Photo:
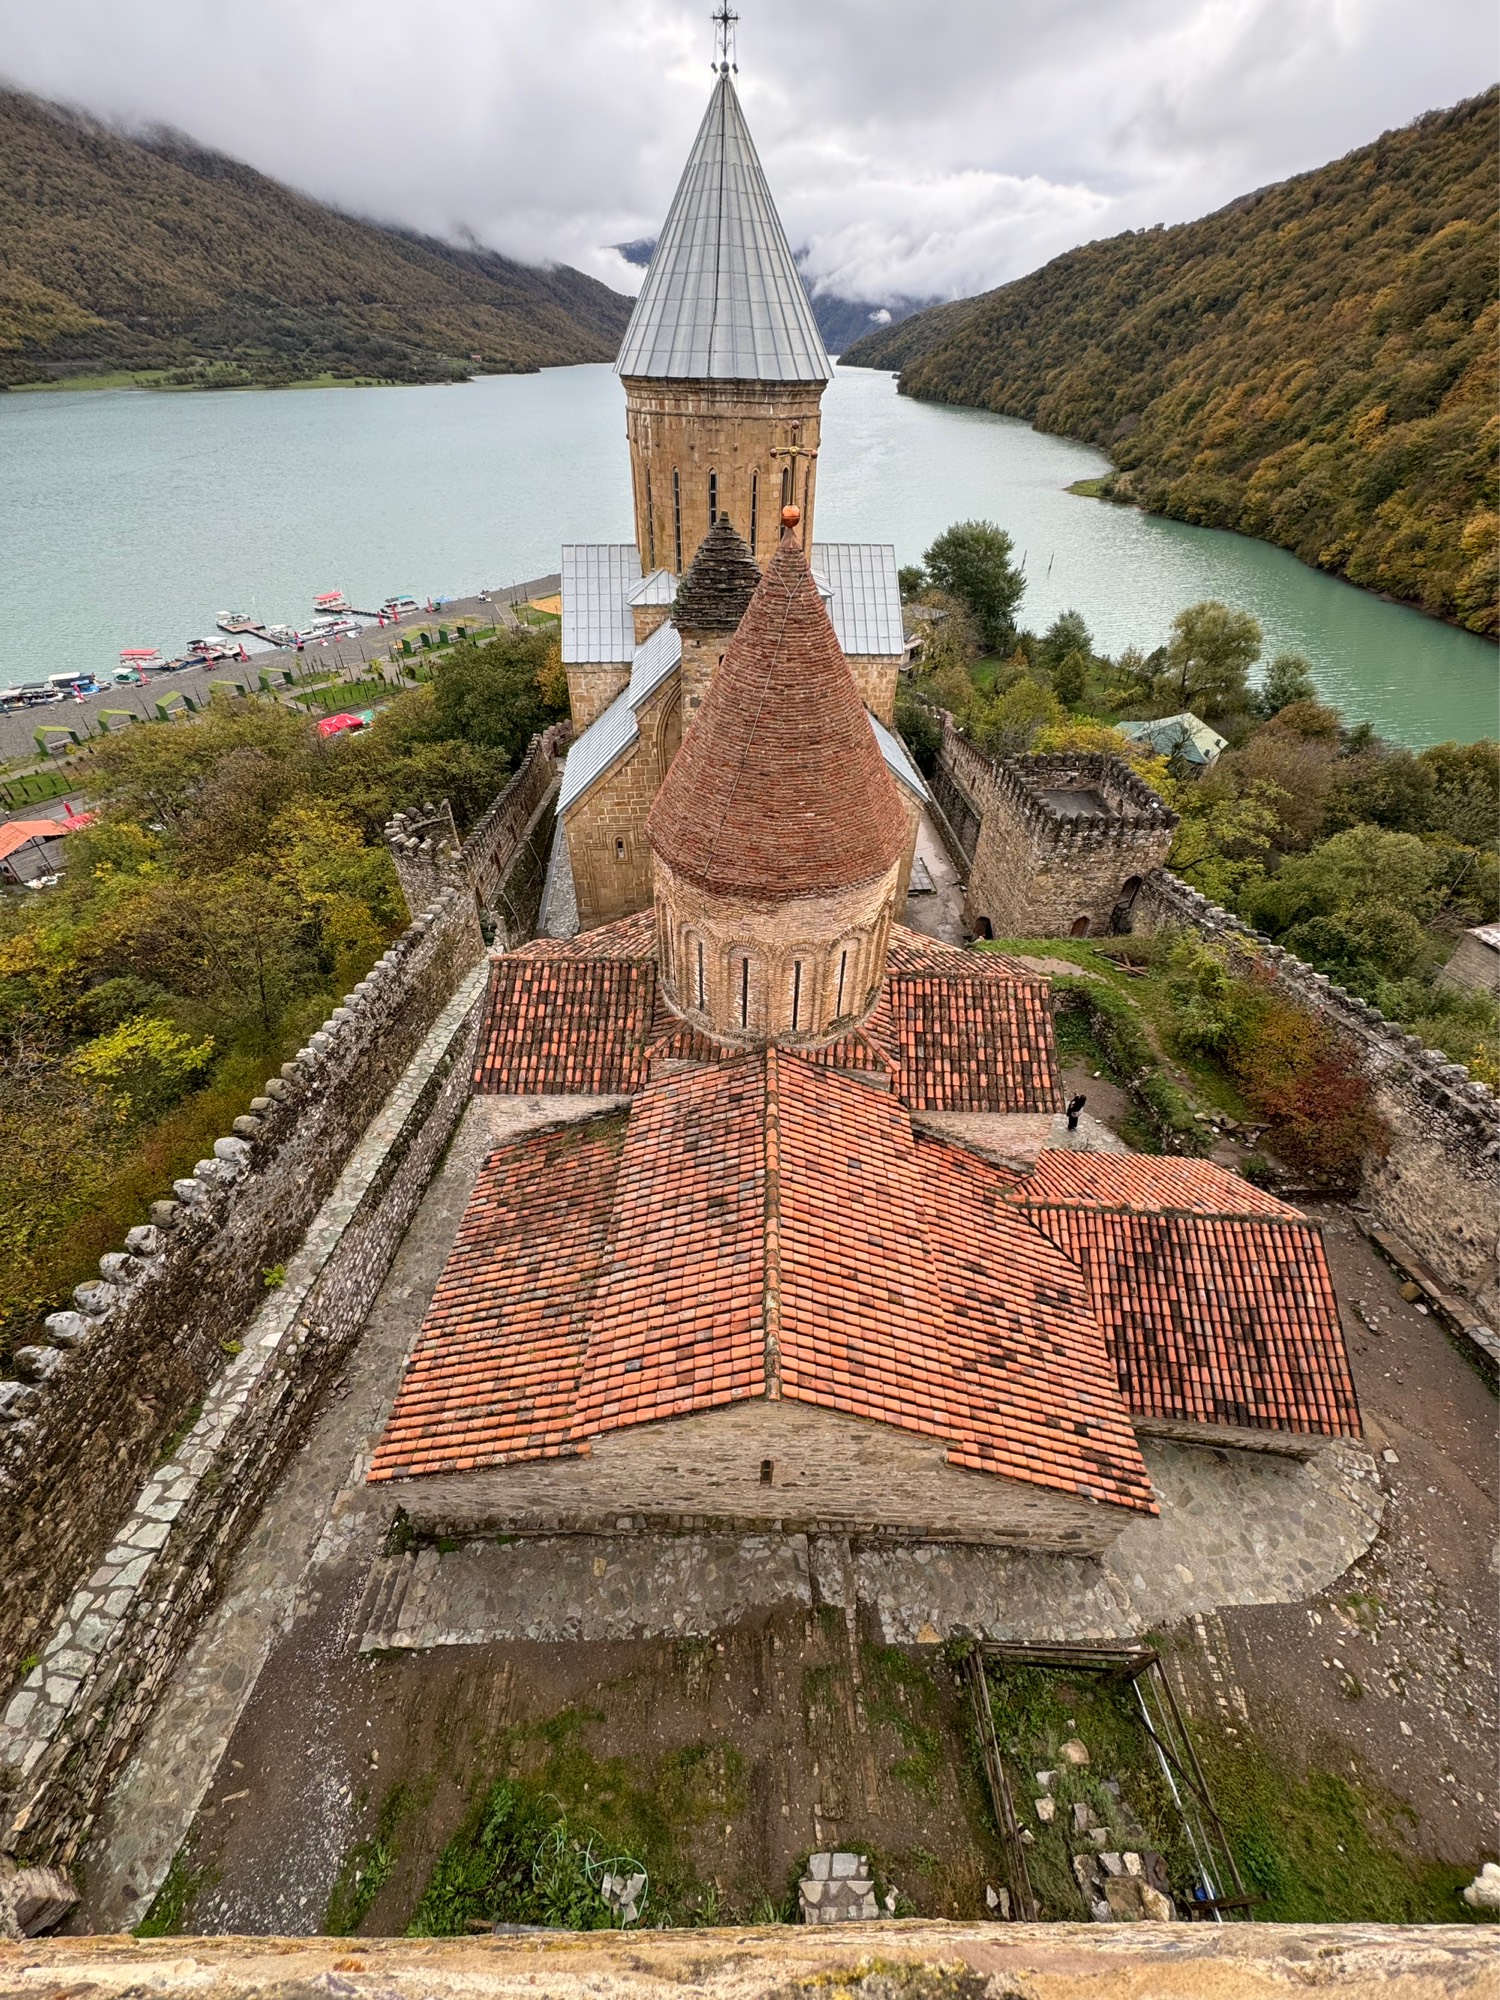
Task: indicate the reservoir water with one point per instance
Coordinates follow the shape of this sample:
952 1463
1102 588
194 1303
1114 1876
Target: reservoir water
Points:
130 518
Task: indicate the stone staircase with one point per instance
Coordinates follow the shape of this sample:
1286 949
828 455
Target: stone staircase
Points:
378 1621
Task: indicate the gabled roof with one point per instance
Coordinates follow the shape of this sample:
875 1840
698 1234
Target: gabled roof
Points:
779 789
658 587
771 1234
610 735
596 621
1181 735
864 597
723 298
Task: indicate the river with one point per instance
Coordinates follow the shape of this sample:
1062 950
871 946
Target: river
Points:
132 518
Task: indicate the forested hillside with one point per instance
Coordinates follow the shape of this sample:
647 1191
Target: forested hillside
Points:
151 253
1314 364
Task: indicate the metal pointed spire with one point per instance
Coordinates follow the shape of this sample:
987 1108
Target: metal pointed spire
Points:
723 299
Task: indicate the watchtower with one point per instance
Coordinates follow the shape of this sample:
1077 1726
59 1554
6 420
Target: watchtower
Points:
1064 842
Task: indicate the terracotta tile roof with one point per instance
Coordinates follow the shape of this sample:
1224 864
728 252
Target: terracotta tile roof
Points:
772 1233
677 1321
494 1370
628 937
964 1043
1133 1180
952 1030
1215 1319
908 1295
566 1025
779 788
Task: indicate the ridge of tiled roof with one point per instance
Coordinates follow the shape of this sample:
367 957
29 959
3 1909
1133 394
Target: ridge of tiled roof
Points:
627 937
720 582
1145 1182
779 788
1214 1319
772 1233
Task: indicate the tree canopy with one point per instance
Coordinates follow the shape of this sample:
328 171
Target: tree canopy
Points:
972 561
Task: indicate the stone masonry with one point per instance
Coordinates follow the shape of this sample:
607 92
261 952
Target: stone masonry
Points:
1063 842
72 1724
133 1356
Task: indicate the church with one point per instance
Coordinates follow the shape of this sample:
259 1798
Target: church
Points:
799 1241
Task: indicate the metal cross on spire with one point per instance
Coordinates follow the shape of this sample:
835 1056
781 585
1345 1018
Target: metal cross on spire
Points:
724 19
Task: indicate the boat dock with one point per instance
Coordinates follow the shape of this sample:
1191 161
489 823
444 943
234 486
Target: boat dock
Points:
70 723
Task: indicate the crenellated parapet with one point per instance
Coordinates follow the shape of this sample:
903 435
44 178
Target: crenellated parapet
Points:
1059 843
224 1311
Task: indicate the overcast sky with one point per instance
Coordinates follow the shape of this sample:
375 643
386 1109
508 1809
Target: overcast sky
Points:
915 147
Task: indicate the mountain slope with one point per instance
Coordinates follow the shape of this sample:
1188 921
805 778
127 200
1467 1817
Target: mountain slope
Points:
1312 364
151 252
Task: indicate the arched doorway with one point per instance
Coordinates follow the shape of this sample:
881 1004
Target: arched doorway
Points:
1080 927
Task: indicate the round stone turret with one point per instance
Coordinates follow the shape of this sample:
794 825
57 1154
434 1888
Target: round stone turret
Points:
778 835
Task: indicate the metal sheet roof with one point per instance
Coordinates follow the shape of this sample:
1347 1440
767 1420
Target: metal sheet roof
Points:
654 660
611 734
723 299
898 759
602 744
660 587
596 620
1181 735
865 600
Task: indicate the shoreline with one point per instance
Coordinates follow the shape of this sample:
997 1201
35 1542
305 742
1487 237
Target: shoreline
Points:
1091 489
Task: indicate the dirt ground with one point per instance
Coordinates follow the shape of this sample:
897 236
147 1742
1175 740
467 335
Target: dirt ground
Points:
1392 1673
782 1736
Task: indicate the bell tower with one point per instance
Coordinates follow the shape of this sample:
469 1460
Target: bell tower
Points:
723 365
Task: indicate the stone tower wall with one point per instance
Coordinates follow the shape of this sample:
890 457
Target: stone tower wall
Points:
842 931
744 434
592 686
1034 874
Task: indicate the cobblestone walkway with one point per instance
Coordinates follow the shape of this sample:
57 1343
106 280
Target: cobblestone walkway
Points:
1235 1528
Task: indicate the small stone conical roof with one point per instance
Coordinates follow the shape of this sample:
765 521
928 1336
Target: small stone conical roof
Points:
779 788
721 580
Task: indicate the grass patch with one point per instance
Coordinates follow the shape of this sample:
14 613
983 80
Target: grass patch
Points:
366 1868
1088 489
899 1694
172 1901
1325 1848
537 1838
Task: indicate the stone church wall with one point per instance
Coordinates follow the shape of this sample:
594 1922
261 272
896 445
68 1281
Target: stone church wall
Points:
606 828
125 1370
754 1463
1439 1185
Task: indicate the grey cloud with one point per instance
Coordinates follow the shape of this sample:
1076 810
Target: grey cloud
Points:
914 149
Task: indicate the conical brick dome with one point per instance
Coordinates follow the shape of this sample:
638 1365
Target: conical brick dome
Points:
779 789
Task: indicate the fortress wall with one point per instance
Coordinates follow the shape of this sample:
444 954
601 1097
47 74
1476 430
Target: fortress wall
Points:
504 858
128 1367
1439 1185
69 1729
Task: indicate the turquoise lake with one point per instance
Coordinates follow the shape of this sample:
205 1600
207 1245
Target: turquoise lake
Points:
132 518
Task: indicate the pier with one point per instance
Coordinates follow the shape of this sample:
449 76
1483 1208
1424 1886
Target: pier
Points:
115 706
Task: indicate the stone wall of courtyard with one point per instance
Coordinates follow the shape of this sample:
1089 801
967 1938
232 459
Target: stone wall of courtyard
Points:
128 1365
